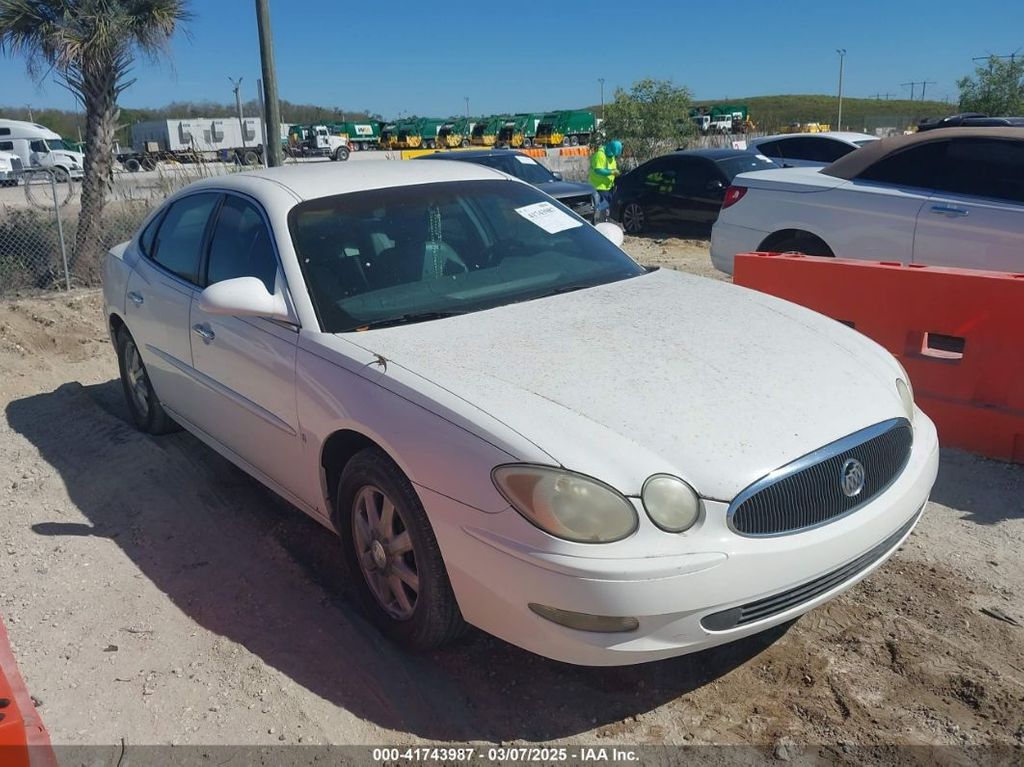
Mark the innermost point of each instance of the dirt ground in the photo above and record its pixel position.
(155, 593)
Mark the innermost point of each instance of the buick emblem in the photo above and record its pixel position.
(851, 478)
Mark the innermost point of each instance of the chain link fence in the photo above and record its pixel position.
(39, 222)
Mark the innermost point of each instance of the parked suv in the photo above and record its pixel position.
(970, 120)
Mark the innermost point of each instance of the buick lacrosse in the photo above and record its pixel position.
(507, 421)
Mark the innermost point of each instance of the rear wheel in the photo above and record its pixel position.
(803, 243)
(574, 140)
(143, 404)
(132, 165)
(633, 218)
(392, 554)
(250, 158)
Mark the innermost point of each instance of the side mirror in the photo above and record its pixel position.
(557, 175)
(244, 297)
(612, 232)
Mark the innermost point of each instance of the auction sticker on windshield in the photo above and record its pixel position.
(548, 217)
(526, 160)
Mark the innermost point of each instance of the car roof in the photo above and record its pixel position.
(469, 154)
(847, 136)
(712, 154)
(853, 164)
(312, 180)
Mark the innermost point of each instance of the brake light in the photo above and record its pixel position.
(733, 195)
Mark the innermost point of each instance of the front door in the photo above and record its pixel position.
(246, 365)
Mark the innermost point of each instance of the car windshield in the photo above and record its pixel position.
(733, 166)
(407, 254)
(59, 143)
(518, 165)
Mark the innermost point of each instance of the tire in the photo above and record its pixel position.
(148, 163)
(574, 140)
(425, 616)
(61, 175)
(803, 243)
(341, 153)
(565, 141)
(527, 142)
(465, 143)
(250, 158)
(634, 219)
(132, 165)
(144, 406)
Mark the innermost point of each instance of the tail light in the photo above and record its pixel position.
(733, 195)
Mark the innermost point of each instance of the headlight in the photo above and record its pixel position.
(906, 392)
(565, 504)
(670, 503)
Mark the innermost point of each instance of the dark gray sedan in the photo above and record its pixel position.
(582, 199)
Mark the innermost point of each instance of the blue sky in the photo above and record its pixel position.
(395, 56)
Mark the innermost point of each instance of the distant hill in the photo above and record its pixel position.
(771, 112)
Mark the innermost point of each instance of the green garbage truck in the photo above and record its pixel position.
(570, 127)
(455, 132)
(485, 132)
(520, 130)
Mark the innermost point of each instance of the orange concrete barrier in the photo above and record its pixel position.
(534, 152)
(24, 741)
(958, 332)
(574, 151)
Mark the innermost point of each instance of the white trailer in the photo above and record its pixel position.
(195, 139)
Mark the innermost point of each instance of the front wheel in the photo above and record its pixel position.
(143, 404)
(341, 153)
(392, 554)
(633, 218)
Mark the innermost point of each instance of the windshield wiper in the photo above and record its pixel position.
(407, 319)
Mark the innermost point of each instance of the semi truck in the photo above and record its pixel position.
(570, 127)
(722, 118)
(197, 139)
(36, 146)
(520, 130)
(318, 141)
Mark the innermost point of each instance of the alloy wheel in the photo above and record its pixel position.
(138, 381)
(633, 218)
(384, 550)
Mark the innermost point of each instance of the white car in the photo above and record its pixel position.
(808, 150)
(946, 197)
(507, 421)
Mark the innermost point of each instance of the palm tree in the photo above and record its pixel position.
(90, 45)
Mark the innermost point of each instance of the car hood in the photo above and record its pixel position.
(664, 372)
(560, 189)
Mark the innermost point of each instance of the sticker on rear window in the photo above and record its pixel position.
(526, 160)
(548, 217)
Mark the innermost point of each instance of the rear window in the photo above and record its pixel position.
(733, 166)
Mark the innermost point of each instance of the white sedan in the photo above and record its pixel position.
(507, 421)
(946, 197)
(808, 150)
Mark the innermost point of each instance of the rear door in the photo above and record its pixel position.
(698, 191)
(651, 185)
(975, 217)
(246, 365)
(159, 296)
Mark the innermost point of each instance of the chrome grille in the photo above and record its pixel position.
(16, 164)
(805, 592)
(808, 492)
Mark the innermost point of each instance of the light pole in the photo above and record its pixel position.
(842, 59)
(601, 80)
(467, 105)
(237, 84)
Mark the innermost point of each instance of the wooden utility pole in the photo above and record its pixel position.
(272, 107)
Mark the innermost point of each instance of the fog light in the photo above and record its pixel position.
(602, 624)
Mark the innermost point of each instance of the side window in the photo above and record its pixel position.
(801, 148)
(180, 238)
(984, 168)
(658, 176)
(770, 148)
(148, 235)
(241, 245)
(39, 146)
(911, 167)
(826, 150)
(7, 146)
(692, 177)
(5, 131)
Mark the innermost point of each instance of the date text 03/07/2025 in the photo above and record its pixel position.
(472, 754)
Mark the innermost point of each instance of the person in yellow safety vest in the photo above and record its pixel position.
(603, 168)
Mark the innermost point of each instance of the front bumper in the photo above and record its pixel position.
(9, 175)
(498, 564)
(729, 239)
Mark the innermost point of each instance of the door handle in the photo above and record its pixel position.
(949, 210)
(203, 332)
(135, 298)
